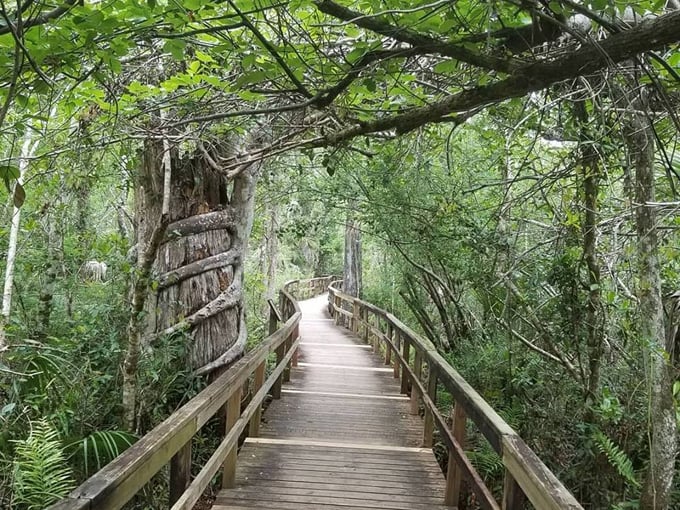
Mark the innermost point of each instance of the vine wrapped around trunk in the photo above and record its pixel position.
(195, 283)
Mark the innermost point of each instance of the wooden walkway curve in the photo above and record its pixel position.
(344, 433)
(340, 438)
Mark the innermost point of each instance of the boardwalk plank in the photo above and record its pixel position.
(334, 445)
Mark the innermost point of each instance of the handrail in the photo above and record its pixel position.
(171, 441)
(526, 476)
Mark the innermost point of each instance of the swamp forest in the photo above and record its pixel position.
(502, 175)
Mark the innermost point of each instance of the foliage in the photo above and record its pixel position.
(474, 221)
(41, 475)
(617, 458)
(99, 448)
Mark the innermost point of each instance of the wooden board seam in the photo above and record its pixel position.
(356, 446)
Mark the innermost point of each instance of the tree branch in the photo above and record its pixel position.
(272, 51)
(200, 266)
(226, 299)
(590, 58)
(43, 18)
(401, 34)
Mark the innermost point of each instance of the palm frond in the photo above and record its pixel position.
(99, 448)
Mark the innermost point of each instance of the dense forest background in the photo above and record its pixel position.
(506, 172)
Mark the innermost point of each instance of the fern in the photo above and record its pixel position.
(40, 473)
(616, 457)
(486, 461)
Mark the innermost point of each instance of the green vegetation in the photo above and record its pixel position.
(510, 169)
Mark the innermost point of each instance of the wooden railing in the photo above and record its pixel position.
(171, 441)
(305, 289)
(424, 372)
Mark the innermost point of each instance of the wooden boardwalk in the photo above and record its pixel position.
(340, 438)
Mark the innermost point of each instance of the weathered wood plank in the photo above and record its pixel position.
(454, 474)
(539, 484)
(180, 472)
(233, 412)
(258, 381)
(228, 444)
(327, 442)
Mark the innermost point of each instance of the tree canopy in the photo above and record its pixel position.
(505, 172)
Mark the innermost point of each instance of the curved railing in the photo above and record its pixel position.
(171, 441)
(425, 372)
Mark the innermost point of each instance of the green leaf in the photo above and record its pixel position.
(9, 172)
(447, 66)
(193, 67)
(556, 7)
(204, 57)
(192, 5)
(616, 457)
(249, 78)
(175, 47)
(448, 24)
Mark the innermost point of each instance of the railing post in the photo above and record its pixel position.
(296, 354)
(454, 474)
(388, 349)
(273, 321)
(406, 353)
(428, 425)
(254, 425)
(355, 316)
(377, 335)
(397, 345)
(180, 472)
(513, 496)
(286, 371)
(417, 370)
(233, 409)
(374, 337)
(365, 320)
(338, 305)
(276, 387)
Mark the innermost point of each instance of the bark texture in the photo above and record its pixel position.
(590, 169)
(351, 278)
(662, 429)
(190, 259)
(199, 259)
(27, 151)
(46, 295)
(271, 251)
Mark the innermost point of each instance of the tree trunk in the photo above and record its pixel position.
(662, 421)
(27, 150)
(46, 294)
(351, 278)
(504, 265)
(271, 249)
(197, 261)
(590, 169)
